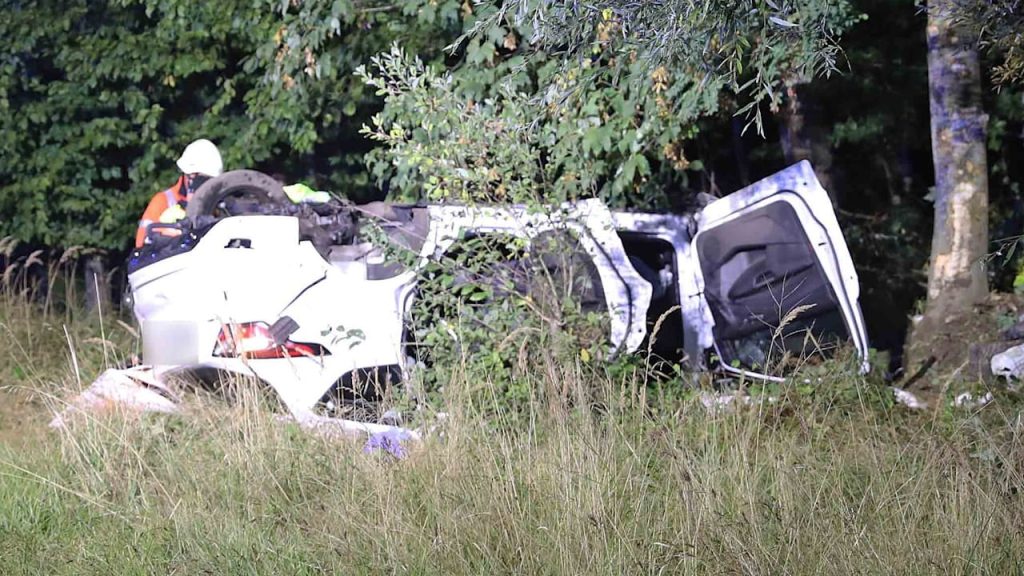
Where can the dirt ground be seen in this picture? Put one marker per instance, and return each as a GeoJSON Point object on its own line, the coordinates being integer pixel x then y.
{"type": "Point", "coordinates": [961, 347]}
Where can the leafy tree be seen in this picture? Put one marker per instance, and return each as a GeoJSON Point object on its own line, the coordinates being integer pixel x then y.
{"type": "Point", "coordinates": [600, 100]}
{"type": "Point", "coordinates": [999, 26]}
{"type": "Point", "coordinates": [98, 99]}
{"type": "Point", "coordinates": [444, 139]}
{"type": "Point", "coordinates": [308, 90]}
{"type": "Point", "coordinates": [750, 48]}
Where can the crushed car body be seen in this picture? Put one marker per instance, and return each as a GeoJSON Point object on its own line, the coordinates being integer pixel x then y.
{"type": "Point", "coordinates": [304, 298]}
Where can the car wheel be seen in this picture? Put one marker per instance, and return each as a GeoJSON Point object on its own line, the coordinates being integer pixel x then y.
{"type": "Point", "coordinates": [235, 193]}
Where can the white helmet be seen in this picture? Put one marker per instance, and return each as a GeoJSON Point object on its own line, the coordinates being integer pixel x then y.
{"type": "Point", "coordinates": [201, 157]}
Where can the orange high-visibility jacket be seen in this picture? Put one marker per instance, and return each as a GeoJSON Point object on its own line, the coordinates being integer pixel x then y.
{"type": "Point", "coordinates": [160, 202]}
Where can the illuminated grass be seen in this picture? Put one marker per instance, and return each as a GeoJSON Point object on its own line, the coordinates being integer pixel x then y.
{"type": "Point", "coordinates": [830, 481]}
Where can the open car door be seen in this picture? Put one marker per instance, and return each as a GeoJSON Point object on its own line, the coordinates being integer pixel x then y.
{"type": "Point", "coordinates": [776, 275]}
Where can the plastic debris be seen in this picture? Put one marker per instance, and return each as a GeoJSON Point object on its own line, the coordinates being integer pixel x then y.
{"type": "Point", "coordinates": [137, 389]}
{"type": "Point", "coordinates": [389, 442]}
{"type": "Point", "coordinates": [141, 389]}
{"type": "Point", "coordinates": [968, 400]}
{"type": "Point", "coordinates": [726, 400]}
{"type": "Point", "coordinates": [909, 399]}
{"type": "Point", "coordinates": [963, 400]}
{"type": "Point", "coordinates": [340, 427]}
{"type": "Point", "coordinates": [1009, 364]}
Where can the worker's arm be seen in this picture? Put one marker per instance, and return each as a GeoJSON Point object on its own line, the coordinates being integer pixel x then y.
{"type": "Point", "coordinates": [156, 207]}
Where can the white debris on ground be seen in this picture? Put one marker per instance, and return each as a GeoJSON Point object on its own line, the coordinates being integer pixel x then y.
{"type": "Point", "coordinates": [339, 427]}
{"type": "Point", "coordinates": [379, 437]}
{"type": "Point", "coordinates": [909, 399]}
{"type": "Point", "coordinates": [968, 400]}
{"type": "Point", "coordinates": [724, 400]}
{"type": "Point", "coordinates": [137, 389]}
{"type": "Point", "coordinates": [141, 389]}
{"type": "Point", "coordinates": [963, 400]}
{"type": "Point", "coordinates": [1010, 363]}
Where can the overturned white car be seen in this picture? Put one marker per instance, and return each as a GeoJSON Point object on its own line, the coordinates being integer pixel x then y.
{"type": "Point", "coordinates": [298, 297]}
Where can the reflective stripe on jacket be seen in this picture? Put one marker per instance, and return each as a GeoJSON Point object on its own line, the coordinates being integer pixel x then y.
{"type": "Point", "coordinates": [160, 202]}
{"type": "Point", "coordinates": [302, 194]}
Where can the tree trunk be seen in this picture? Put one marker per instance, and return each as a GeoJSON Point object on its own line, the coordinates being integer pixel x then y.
{"type": "Point", "coordinates": [956, 276]}
{"type": "Point", "coordinates": [97, 290]}
{"type": "Point", "coordinates": [803, 138]}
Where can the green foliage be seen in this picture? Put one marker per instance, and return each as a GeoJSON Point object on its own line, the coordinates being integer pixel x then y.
{"type": "Point", "coordinates": [507, 307]}
{"type": "Point", "coordinates": [441, 147]}
{"type": "Point", "coordinates": [545, 102]}
{"type": "Point", "coordinates": [103, 96]}
{"type": "Point", "coordinates": [999, 26]}
{"type": "Point", "coordinates": [97, 99]}
{"type": "Point", "coordinates": [751, 48]}
{"type": "Point", "coordinates": [445, 138]}
{"type": "Point", "coordinates": [309, 90]}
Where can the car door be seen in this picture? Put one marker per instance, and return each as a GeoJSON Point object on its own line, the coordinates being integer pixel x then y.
{"type": "Point", "coordinates": [774, 271]}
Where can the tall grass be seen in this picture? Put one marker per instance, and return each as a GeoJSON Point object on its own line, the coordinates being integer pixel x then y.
{"type": "Point", "coordinates": [609, 475]}
{"type": "Point", "coordinates": [46, 336]}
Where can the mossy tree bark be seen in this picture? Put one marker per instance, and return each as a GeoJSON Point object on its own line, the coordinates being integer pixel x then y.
{"type": "Point", "coordinates": [956, 276]}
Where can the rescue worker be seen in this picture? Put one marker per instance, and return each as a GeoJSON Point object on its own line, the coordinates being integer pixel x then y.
{"type": "Point", "coordinates": [199, 162]}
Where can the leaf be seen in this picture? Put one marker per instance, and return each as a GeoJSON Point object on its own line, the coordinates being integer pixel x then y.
{"type": "Point", "coordinates": [596, 139]}
{"type": "Point", "coordinates": [781, 22]}
{"type": "Point", "coordinates": [585, 355]}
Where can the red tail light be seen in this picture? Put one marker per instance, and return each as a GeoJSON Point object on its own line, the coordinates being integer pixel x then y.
{"type": "Point", "coordinates": [254, 340]}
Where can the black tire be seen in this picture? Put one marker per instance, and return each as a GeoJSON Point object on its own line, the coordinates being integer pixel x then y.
{"type": "Point", "coordinates": [249, 183]}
